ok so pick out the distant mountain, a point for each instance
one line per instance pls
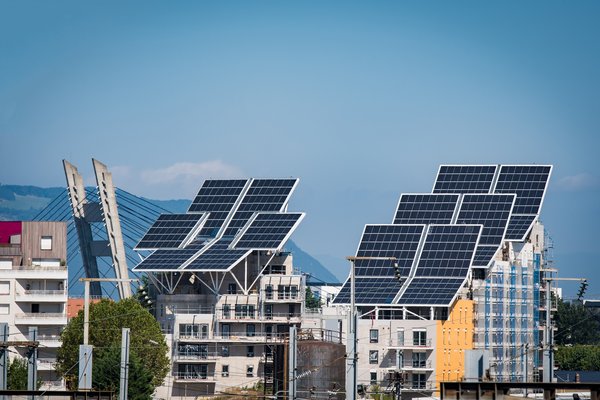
(23, 203)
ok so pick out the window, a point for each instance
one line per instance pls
(225, 330)
(291, 310)
(250, 330)
(225, 370)
(225, 351)
(419, 338)
(399, 359)
(373, 356)
(269, 311)
(374, 335)
(373, 378)
(419, 360)
(4, 309)
(249, 371)
(46, 243)
(226, 311)
(250, 351)
(419, 381)
(232, 288)
(269, 292)
(4, 287)
(400, 335)
(269, 331)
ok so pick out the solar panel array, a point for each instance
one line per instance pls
(169, 231)
(473, 209)
(227, 220)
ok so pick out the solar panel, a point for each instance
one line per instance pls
(268, 231)
(170, 231)
(448, 250)
(529, 182)
(369, 291)
(426, 208)
(431, 291)
(519, 226)
(490, 210)
(169, 259)
(464, 179)
(217, 197)
(484, 255)
(398, 241)
(217, 257)
(263, 195)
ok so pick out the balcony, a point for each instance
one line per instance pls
(38, 296)
(424, 344)
(195, 357)
(284, 297)
(417, 365)
(37, 272)
(49, 340)
(41, 319)
(272, 317)
(46, 364)
(193, 377)
(418, 386)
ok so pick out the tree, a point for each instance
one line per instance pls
(17, 374)
(578, 358)
(575, 324)
(106, 374)
(310, 301)
(107, 318)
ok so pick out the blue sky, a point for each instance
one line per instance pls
(361, 100)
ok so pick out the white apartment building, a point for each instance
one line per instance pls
(33, 290)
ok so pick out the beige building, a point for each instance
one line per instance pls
(33, 294)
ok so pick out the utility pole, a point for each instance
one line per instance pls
(124, 378)
(293, 363)
(3, 356)
(32, 360)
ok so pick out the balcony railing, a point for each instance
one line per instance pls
(417, 364)
(193, 376)
(41, 315)
(42, 293)
(195, 355)
(414, 343)
(191, 309)
(193, 336)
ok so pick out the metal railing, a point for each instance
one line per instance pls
(61, 292)
(192, 309)
(40, 315)
(412, 343)
(195, 355)
(194, 376)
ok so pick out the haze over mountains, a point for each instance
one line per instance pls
(21, 202)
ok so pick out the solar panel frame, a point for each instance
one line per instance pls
(382, 240)
(484, 255)
(484, 185)
(262, 195)
(267, 231)
(519, 226)
(171, 231)
(169, 260)
(426, 208)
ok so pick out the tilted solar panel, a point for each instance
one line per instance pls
(217, 197)
(219, 256)
(369, 291)
(169, 259)
(268, 231)
(529, 182)
(169, 231)
(464, 179)
(385, 241)
(426, 208)
(264, 195)
(431, 291)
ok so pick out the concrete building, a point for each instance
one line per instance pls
(33, 294)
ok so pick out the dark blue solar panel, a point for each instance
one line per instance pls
(464, 179)
(264, 195)
(448, 250)
(528, 182)
(398, 241)
(431, 291)
(519, 226)
(169, 231)
(169, 259)
(268, 231)
(217, 257)
(484, 255)
(369, 291)
(217, 197)
(490, 210)
(426, 208)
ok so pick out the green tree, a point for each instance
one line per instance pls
(578, 358)
(310, 301)
(17, 374)
(107, 318)
(106, 374)
(575, 324)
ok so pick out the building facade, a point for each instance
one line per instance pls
(33, 290)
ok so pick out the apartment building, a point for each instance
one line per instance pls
(33, 290)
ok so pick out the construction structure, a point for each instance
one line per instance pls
(33, 296)
(105, 212)
(225, 290)
(453, 288)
